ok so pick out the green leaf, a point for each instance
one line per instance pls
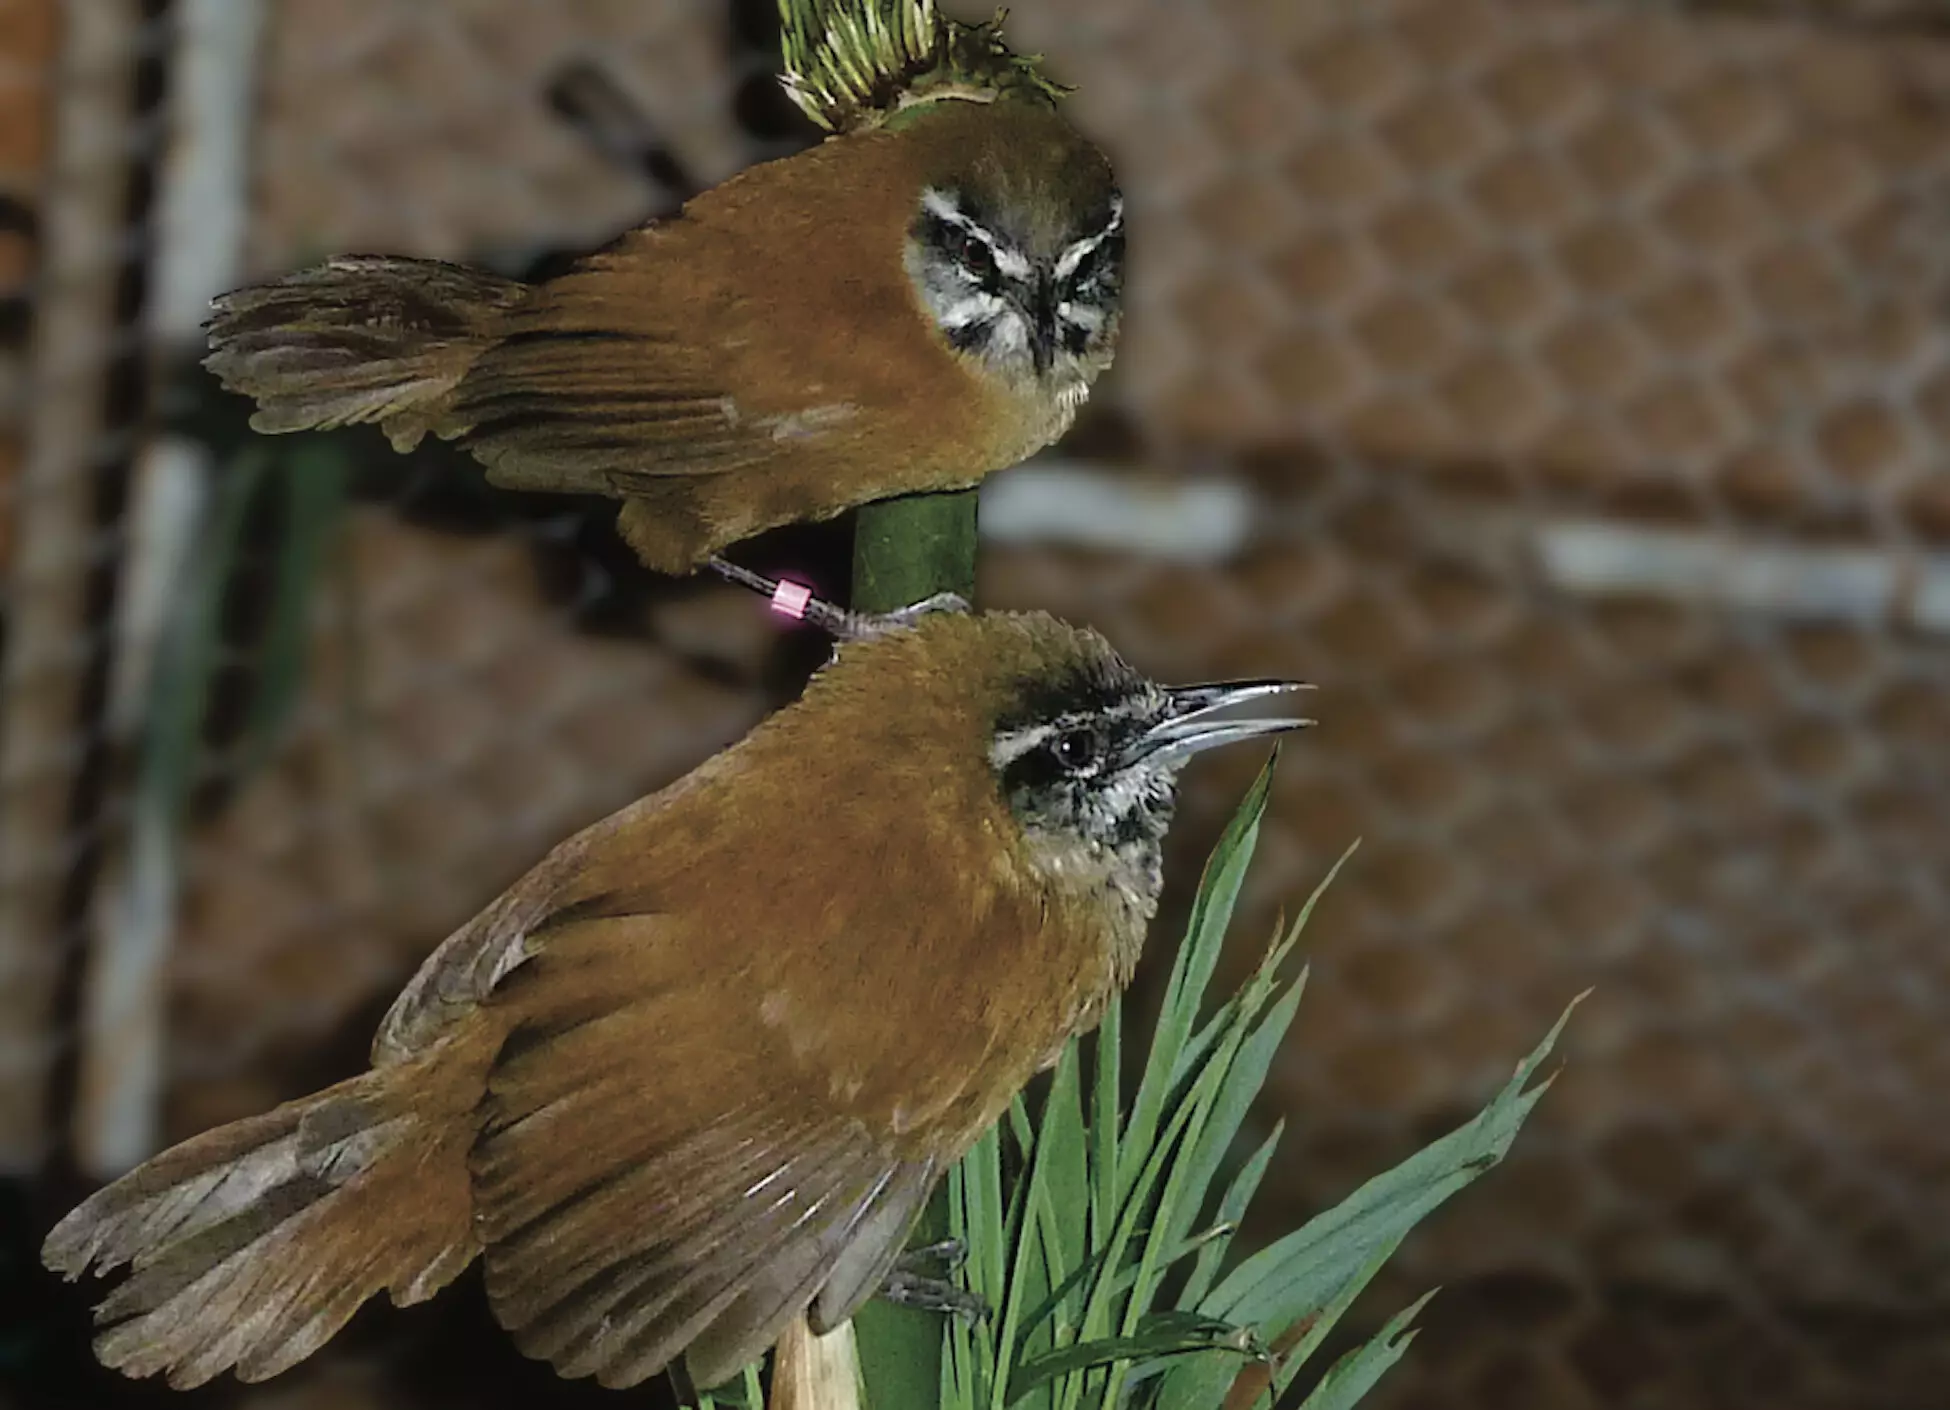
(192, 651)
(1273, 1285)
(1191, 972)
(1164, 1334)
(1245, 1075)
(1313, 1275)
(1355, 1374)
(1047, 1245)
(1231, 1211)
(314, 487)
(903, 1350)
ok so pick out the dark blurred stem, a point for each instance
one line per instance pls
(908, 549)
(905, 550)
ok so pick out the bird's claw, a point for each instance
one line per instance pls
(879, 623)
(951, 1254)
(909, 1286)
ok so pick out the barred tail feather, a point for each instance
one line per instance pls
(360, 338)
(251, 1245)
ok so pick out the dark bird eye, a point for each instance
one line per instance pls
(1100, 265)
(1077, 750)
(973, 254)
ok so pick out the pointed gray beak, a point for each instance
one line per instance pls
(1189, 726)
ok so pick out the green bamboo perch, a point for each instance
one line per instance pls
(904, 551)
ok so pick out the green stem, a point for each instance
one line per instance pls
(906, 550)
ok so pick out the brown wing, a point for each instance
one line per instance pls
(594, 387)
(771, 323)
(657, 1174)
(697, 345)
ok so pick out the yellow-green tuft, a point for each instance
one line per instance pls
(852, 64)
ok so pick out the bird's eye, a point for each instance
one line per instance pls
(1077, 750)
(973, 254)
(1099, 264)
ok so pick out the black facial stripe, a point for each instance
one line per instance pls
(1093, 687)
(1141, 824)
(970, 336)
(961, 247)
(1033, 772)
(1099, 271)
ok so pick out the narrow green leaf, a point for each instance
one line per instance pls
(192, 649)
(1166, 1334)
(1125, 1279)
(1313, 1275)
(1245, 1076)
(1232, 1209)
(1046, 1244)
(1106, 1121)
(1273, 1287)
(313, 487)
(959, 1364)
(1355, 1374)
(1177, 1202)
(1218, 891)
(1104, 1307)
(903, 1350)
(745, 1393)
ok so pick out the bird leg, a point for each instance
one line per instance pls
(796, 600)
(910, 1285)
(914, 611)
(950, 1253)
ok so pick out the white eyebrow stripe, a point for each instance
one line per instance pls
(1013, 744)
(1012, 263)
(940, 203)
(1067, 264)
(965, 312)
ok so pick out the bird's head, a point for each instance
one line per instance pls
(1080, 751)
(1016, 245)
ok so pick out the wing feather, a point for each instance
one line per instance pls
(586, 392)
(694, 1217)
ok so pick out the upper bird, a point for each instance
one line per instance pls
(697, 1071)
(923, 298)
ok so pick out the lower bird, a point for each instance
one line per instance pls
(695, 1074)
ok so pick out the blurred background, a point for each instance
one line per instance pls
(1563, 385)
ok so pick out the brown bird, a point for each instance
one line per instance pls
(924, 298)
(697, 1071)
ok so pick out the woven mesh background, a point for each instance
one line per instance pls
(1431, 277)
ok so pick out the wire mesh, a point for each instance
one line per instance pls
(1584, 365)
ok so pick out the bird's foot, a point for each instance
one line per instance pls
(796, 600)
(910, 1285)
(951, 1254)
(878, 623)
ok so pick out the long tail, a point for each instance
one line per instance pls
(252, 1244)
(359, 338)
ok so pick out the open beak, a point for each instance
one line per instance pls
(1191, 725)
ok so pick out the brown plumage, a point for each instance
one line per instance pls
(696, 1072)
(765, 357)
